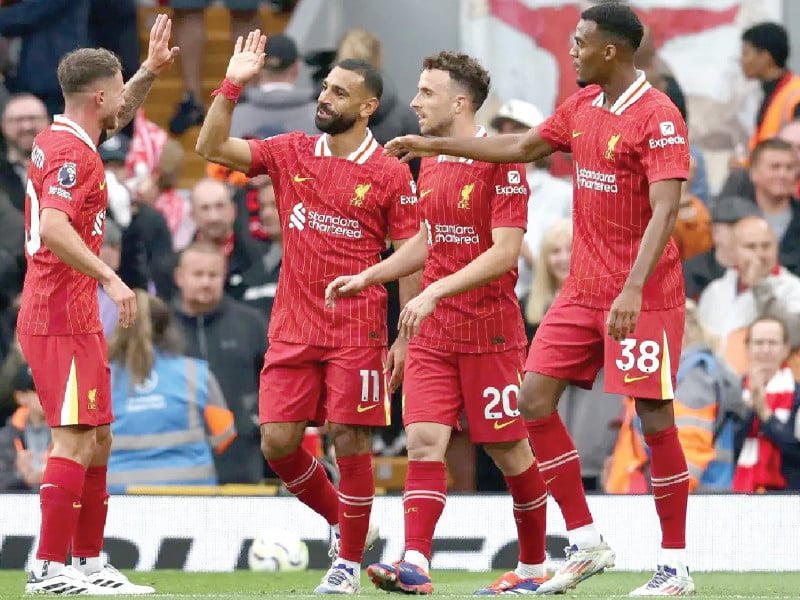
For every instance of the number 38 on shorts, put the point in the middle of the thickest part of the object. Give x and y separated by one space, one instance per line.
644 368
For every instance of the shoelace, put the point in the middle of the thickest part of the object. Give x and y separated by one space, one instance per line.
661 576
568 551
337 577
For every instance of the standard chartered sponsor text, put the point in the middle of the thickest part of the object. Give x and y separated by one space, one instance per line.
455 234
595 180
334 225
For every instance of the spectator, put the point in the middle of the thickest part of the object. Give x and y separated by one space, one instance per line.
757 287
232 338
190 35
550 199
160 191
394 117
765 49
276 102
25 439
703 269
169 410
147 258
214 214
774 172
768 438
111 254
23 118
12 248
692 233
555 252
48 29
260 282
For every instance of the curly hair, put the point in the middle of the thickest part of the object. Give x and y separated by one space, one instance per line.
464 70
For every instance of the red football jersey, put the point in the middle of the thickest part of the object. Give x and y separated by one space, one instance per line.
65 173
336 216
617 154
460 203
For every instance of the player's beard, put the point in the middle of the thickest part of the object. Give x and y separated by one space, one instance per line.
110 122
334 123
581 83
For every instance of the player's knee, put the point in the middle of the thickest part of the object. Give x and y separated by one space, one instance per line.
656 415
427 441
350 440
535 400
279 440
512 458
75 442
103 439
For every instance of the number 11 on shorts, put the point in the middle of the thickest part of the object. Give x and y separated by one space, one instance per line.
370 385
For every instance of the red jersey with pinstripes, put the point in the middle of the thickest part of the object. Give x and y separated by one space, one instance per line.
461 202
617 154
336 215
66 174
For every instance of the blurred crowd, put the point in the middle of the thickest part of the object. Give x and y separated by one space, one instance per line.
205 260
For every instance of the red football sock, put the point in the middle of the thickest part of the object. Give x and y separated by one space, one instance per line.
356 489
307 480
530 512
670 479
560 468
87 541
60 499
423 503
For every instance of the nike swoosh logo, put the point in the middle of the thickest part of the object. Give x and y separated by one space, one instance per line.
366 408
76 505
346 516
661 497
549 481
499 426
576 134
424 193
298 179
103 185
629 379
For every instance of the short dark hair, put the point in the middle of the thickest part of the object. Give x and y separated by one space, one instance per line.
773 143
464 70
618 20
373 80
771 37
81 68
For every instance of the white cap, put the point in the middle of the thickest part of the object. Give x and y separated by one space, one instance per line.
520 111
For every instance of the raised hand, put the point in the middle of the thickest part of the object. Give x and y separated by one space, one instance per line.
409 147
248 58
159 54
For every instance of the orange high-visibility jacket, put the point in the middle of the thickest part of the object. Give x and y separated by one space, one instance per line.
780 109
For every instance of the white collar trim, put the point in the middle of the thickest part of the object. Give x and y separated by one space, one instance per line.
359 156
62 123
628 97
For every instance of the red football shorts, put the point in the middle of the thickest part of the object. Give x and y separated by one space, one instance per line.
315 384
571 344
439 386
72 377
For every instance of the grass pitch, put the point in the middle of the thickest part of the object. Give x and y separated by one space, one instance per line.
243 585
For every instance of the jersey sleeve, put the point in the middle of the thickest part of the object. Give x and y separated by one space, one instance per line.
510 195
403 205
556 130
664 145
267 153
66 181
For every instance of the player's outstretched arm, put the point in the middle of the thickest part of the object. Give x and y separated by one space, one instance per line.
665 199
493 263
407 260
61 239
214 142
159 57
510 148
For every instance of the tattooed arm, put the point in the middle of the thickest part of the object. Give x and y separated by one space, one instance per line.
136 90
159 57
